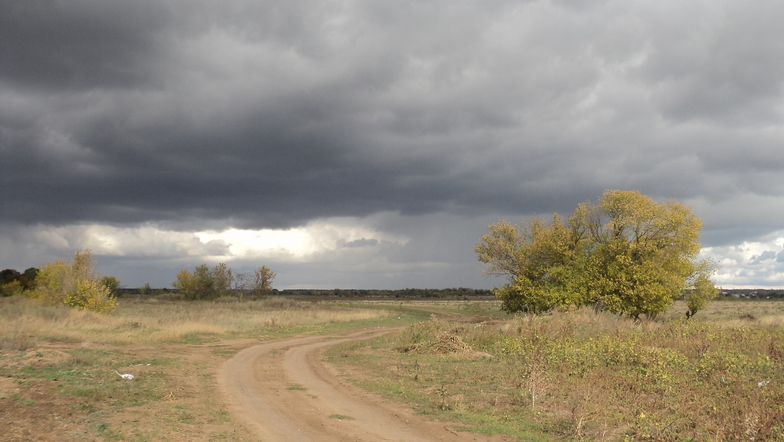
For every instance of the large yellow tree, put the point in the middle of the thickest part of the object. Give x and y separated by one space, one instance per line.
626 254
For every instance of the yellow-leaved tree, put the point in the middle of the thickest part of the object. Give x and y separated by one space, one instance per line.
262 280
626 254
74 283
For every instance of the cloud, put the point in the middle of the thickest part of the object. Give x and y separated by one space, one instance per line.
186 122
750 263
362 242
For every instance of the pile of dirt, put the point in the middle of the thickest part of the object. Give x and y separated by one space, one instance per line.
442 344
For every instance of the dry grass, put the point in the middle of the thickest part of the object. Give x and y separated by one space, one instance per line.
576 375
59 366
23 321
587 376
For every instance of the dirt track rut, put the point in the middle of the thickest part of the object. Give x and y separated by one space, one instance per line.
285 391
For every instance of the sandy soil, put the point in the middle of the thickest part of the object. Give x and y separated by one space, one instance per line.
280 390
285 390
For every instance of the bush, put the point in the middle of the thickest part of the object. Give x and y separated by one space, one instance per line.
13 288
74 284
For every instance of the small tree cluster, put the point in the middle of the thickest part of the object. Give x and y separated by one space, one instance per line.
13 283
626 254
220 281
75 284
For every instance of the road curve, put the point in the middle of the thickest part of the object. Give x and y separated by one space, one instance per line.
285 391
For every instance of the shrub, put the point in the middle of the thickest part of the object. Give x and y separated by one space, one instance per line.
13 288
74 284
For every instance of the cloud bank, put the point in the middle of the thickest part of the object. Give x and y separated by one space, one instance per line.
359 144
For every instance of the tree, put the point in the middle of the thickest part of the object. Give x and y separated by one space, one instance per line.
241 281
540 258
145 289
197 285
112 283
627 254
10 283
9 275
702 290
28 278
206 283
74 283
262 280
223 280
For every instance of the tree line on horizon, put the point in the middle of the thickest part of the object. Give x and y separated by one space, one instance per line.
76 284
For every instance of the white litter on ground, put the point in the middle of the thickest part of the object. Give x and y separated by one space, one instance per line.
127 376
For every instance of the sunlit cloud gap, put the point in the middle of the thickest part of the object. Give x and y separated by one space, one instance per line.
231 244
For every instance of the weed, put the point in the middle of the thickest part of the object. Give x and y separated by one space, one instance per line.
341 417
186 418
296 387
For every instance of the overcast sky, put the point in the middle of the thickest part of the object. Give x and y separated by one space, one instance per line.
355 144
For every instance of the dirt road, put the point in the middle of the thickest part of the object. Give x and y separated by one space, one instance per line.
286 391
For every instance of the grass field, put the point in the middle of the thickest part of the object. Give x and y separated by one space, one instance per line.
588 376
565 376
59 367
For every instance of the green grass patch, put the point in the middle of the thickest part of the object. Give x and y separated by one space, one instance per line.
90 377
341 417
196 338
296 387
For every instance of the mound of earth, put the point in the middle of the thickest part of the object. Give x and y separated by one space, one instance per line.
444 344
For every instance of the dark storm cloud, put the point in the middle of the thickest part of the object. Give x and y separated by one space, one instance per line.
54 45
265 114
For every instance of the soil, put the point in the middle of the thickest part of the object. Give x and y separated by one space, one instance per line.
279 390
34 409
285 390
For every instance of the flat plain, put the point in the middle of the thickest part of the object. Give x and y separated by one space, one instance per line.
577 375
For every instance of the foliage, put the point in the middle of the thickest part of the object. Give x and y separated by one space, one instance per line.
145 289
701 292
221 281
13 288
13 283
74 283
112 283
545 276
626 254
262 280
8 276
223 278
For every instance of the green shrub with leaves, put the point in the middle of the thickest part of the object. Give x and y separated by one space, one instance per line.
74 283
701 292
